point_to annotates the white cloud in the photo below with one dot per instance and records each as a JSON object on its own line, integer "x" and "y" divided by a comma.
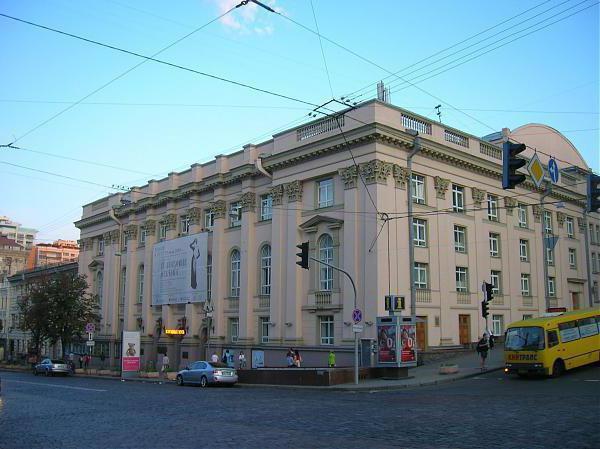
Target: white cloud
{"x": 246, "y": 18}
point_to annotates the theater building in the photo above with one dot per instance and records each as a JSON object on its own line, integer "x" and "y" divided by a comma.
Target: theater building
{"x": 314, "y": 183}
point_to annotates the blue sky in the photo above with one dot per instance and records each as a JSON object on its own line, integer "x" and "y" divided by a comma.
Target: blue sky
{"x": 157, "y": 119}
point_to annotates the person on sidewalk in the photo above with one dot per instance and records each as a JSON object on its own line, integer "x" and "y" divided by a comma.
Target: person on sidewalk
{"x": 214, "y": 358}
{"x": 165, "y": 364}
{"x": 482, "y": 349}
{"x": 80, "y": 361}
{"x": 290, "y": 359}
{"x": 297, "y": 358}
{"x": 491, "y": 341}
{"x": 331, "y": 359}
{"x": 242, "y": 360}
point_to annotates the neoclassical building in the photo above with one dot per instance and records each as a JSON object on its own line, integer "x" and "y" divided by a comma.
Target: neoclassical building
{"x": 316, "y": 184}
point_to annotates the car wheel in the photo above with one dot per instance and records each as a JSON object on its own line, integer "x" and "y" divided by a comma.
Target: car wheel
{"x": 179, "y": 380}
{"x": 203, "y": 381}
{"x": 558, "y": 368}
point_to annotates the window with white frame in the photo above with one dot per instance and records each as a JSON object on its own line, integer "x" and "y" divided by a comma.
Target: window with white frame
{"x": 525, "y": 284}
{"x": 549, "y": 256}
{"x": 266, "y": 207}
{"x": 551, "y": 287}
{"x": 458, "y": 198}
{"x": 140, "y": 284}
{"x": 572, "y": 258}
{"x": 162, "y": 231}
{"x": 524, "y": 250}
{"x": 460, "y": 239}
{"x": 494, "y": 244}
{"x": 325, "y": 193}
{"x": 209, "y": 219}
{"x": 263, "y": 325}
{"x": 265, "y": 270}
{"x": 497, "y": 324}
{"x": 100, "y": 286}
{"x": 101, "y": 247}
{"x": 421, "y": 275}
{"x": 418, "y": 188}
{"x": 326, "y": 255}
{"x": 234, "y": 329}
{"x": 235, "y": 275}
{"x": 143, "y": 235}
{"x": 326, "y": 329}
{"x": 184, "y": 224}
{"x": 570, "y": 227}
{"x": 209, "y": 277}
{"x": 594, "y": 263}
{"x": 496, "y": 281}
{"x": 523, "y": 216}
{"x": 462, "y": 279}
{"x": 547, "y": 222}
{"x": 492, "y": 207}
{"x": 419, "y": 232}
{"x": 235, "y": 214}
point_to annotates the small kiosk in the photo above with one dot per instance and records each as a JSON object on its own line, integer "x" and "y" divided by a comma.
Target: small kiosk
{"x": 396, "y": 342}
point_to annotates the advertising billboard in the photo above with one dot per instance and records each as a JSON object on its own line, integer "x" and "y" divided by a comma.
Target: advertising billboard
{"x": 179, "y": 270}
{"x": 386, "y": 344}
{"x": 130, "y": 359}
{"x": 408, "y": 342}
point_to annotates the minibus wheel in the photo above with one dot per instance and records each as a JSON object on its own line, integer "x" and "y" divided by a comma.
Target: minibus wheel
{"x": 558, "y": 368}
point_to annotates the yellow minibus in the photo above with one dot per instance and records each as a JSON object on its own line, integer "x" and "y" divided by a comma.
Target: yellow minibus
{"x": 553, "y": 344}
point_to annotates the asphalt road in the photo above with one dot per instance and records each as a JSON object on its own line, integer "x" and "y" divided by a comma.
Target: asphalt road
{"x": 488, "y": 411}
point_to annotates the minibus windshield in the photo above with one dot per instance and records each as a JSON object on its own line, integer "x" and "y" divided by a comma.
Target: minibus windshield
{"x": 524, "y": 339}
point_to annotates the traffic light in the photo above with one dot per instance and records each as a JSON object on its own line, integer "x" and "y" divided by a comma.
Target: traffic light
{"x": 511, "y": 163}
{"x": 489, "y": 291}
{"x": 303, "y": 255}
{"x": 484, "y": 309}
{"x": 593, "y": 192}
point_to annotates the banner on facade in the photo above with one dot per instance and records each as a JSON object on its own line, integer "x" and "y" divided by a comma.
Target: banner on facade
{"x": 179, "y": 270}
{"x": 258, "y": 358}
{"x": 130, "y": 355}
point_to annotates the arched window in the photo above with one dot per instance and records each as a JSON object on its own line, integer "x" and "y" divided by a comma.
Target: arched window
{"x": 235, "y": 273}
{"x": 265, "y": 270}
{"x": 326, "y": 255}
{"x": 100, "y": 286}
{"x": 209, "y": 278}
{"x": 140, "y": 284}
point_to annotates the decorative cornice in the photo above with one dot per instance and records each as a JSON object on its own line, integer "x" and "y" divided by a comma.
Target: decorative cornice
{"x": 131, "y": 232}
{"x": 169, "y": 220}
{"x": 509, "y": 203}
{"x": 560, "y": 218}
{"x": 400, "y": 175}
{"x": 195, "y": 215}
{"x": 276, "y": 193}
{"x": 86, "y": 244}
{"x": 478, "y": 195}
{"x": 349, "y": 176}
{"x": 294, "y": 191}
{"x": 537, "y": 213}
{"x": 248, "y": 201}
{"x": 441, "y": 186}
{"x": 218, "y": 208}
{"x": 150, "y": 227}
{"x": 376, "y": 171}
{"x": 110, "y": 237}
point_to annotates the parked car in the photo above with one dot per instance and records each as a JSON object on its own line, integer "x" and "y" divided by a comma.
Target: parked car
{"x": 50, "y": 367}
{"x": 206, "y": 373}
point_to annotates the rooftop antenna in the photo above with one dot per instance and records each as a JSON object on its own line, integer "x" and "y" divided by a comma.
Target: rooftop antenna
{"x": 439, "y": 112}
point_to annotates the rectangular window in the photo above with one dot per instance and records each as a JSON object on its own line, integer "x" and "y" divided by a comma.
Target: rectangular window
{"x": 494, "y": 244}
{"x": 326, "y": 329}
{"x": 572, "y": 258}
{"x": 525, "y": 284}
{"x": 460, "y": 239}
{"x": 101, "y": 247}
{"x": 234, "y": 329}
{"x": 549, "y": 256}
{"x": 570, "y": 227}
{"x": 162, "y": 231}
{"x": 527, "y": 317}
{"x": 184, "y": 224}
{"x": 492, "y": 207}
{"x": 264, "y": 329}
{"x": 418, "y": 188}
{"x": 547, "y": 222}
{"x": 458, "y": 198}
{"x": 325, "y": 193}
{"x": 462, "y": 279}
{"x": 421, "y": 275}
{"x": 592, "y": 234}
{"x": 419, "y": 232}
{"x": 551, "y": 287}
{"x": 497, "y": 324}
{"x": 496, "y": 280}
{"x": 143, "y": 235}
{"x": 594, "y": 263}
{"x": 524, "y": 250}
{"x": 209, "y": 219}
{"x": 523, "y": 222}
{"x": 235, "y": 214}
{"x": 598, "y": 234}
{"x": 266, "y": 207}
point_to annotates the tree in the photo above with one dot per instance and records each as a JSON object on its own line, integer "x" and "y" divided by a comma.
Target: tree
{"x": 57, "y": 308}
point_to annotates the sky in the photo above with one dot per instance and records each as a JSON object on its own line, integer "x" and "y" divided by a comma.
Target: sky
{"x": 487, "y": 68}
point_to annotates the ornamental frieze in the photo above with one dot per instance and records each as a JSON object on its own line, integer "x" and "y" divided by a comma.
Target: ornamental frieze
{"x": 170, "y": 221}
{"x": 294, "y": 191}
{"x": 149, "y": 227}
{"x": 248, "y": 201}
{"x": 276, "y": 193}
{"x": 218, "y": 208}
{"x": 349, "y": 176}
{"x": 441, "y": 187}
{"x": 86, "y": 244}
{"x": 537, "y": 213}
{"x": 400, "y": 175}
{"x": 509, "y": 203}
{"x": 478, "y": 195}
{"x": 560, "y": 218}
{"x": 376, "y": 171}
{"x": 110, "y": 237}
{"x": 131, "y": 232}
{"x": 195, "y": 215}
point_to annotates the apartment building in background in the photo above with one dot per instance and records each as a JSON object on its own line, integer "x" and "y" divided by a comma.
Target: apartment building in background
{"x": 16, "y": 232}
{"x": 58, "y": 252}
{"x": 13, "y": 257}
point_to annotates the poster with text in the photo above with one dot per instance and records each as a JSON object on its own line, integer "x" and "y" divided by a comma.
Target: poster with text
{"x": 408, "y": 343}
{"x": 130, "y": 359}
{"x": 386, "y": 344}
{"x": 179, "y": 270}
{"x": 258, "y": 358}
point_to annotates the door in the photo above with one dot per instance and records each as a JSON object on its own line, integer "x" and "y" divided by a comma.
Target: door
{"x": 575, "y": 298}
{"x": 464, "y": 329}
{"x": 421, "y": 333}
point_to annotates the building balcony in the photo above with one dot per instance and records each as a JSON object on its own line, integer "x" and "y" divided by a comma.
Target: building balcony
{"x": 498, "y": 299}
{"x": 232, "y": 304}
{"x": 323, "y": 299}
{"x": 423, "y": 295}
{"x": 263, "y": 301}
{"x": 463, "y": 297}
{"x": 528, "y": 301}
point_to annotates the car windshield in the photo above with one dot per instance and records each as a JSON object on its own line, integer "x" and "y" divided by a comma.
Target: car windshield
{"x": 58, "y": 361}
{"x": 218, "y": 365}
{"x": 524, "y": 339}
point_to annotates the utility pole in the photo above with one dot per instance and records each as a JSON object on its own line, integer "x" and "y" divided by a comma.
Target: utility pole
{"x": 411, "y": 248}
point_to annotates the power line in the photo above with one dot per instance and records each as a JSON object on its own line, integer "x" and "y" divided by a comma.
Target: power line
{"x": 322, "y": 51}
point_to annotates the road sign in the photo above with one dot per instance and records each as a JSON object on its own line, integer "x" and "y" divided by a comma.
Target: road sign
{"x": 553, "y": 170}
{"x": 90, "y": 336}
{"x": 90, "y": 343}
{"x": 394, "y": 303}
{"x": 357, "y": 315}
{"x": 90, "y": 328}
{"x": 536, "y": 170}
{"x": 357, "y": 328}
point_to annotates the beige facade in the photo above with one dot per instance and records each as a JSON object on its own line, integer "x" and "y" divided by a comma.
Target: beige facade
{"x": 57, "y": 252}
{"x": 303, "y": 185}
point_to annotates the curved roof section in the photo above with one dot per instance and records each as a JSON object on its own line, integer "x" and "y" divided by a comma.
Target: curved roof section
{"x": 550, "y": 141}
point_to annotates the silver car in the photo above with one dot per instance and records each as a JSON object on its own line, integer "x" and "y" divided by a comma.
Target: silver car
{"x": 51, "y": 367}
{"x": 206, "y": 373}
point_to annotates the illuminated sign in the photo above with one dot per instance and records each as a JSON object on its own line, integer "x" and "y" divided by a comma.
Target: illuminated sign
{"x": 175, "y": 331}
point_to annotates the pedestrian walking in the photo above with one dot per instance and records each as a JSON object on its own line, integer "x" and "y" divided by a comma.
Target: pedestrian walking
{"x": 86, "y": 361}
{"x": 297, "y": 358}
{"x": 482, "y": 350}
{"x": 80, "y": 361}
{"x": 165, "y": 364}
{"x": 225, "y": 357}
{"x": 102, "y": 358}
{"x": 242, "y": 360}
{"x": 331, "y": 359}
{"x": 491, "y": 341}
{"x": 214, "y": 358}
{"x": 290, "y": 358}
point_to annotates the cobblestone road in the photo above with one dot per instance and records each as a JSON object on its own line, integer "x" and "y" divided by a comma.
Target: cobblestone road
{"x": 489, "y": 411}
